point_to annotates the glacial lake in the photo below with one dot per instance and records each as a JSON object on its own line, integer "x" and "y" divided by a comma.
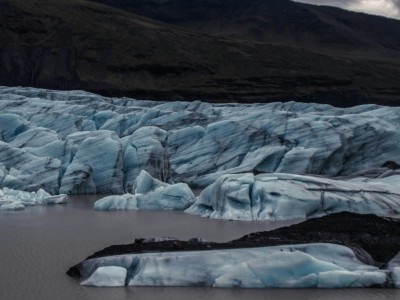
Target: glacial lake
{"x": 39, "y": 244}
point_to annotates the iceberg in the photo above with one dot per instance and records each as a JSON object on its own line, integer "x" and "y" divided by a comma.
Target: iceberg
{"x": 287, "y": 266}
{"x": 150, "y": 193}
{"x": 279, "y": 196}
{"x": 343, "y": 250}
{"x": 17, "y": 200}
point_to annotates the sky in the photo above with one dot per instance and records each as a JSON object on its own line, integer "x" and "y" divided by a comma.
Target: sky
{"x": 387, "y": 8}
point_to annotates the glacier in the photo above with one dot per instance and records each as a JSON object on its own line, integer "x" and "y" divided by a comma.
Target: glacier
{"x": 17, "y": 200}
{"x": 75, "y": 142}
{"x": 149, "y": 193}
{"x": 315, "y": 265}
{"x": 280, "y": 196}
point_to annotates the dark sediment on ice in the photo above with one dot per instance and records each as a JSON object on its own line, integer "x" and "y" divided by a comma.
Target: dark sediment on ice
{"x": 375, "y": 240}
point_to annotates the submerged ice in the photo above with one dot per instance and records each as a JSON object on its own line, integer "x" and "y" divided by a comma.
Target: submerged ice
{"x": 78, "y": 143}
{"x": 291, "y": 266}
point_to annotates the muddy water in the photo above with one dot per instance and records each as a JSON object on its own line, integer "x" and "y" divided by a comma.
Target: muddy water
{"x": 39, "y": 244}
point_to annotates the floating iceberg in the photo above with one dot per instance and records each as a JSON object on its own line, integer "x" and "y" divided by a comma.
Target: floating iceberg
{"x": 16, "y": 200}
{"x": 76, "y": 142}
{"x": 336, "y": 251}
{"x": 150, "y": 193}
{"x": 278, "y": 196}
{"x": 291, "y": 266}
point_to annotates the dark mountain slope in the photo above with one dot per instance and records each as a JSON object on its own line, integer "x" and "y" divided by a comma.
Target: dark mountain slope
{"x": 77, "y": 44}
{"x": 280, "y": 22}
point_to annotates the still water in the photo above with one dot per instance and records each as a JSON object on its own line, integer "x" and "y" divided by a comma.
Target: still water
{"x": 39, "y": 244}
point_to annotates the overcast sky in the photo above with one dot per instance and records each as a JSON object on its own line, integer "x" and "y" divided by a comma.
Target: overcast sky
{"x": 388, "y": 8}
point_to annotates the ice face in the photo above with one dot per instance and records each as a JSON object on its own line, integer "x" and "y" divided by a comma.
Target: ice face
{"x": 107, "y": 276}
{"x": 79, "y": 143}
{"x": 144, "y": 183}
{"x": 95, "y": 167}
{"x": 150, "y": 193}
{"x": 290, "y": 266}
{"x": 16, "y": 200}
{"x": 279, "y": 196}
{"x": 145, "y": 150}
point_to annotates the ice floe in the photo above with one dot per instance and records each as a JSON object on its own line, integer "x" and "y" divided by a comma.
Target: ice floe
{"x": 16, "y": 200}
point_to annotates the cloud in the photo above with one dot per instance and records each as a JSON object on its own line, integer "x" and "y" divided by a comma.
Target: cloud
{"x": 388, "y": 8}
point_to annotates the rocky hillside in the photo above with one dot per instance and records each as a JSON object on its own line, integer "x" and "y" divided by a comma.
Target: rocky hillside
{"x": 79, "y": 44}
{"x": 281, "y": 22}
